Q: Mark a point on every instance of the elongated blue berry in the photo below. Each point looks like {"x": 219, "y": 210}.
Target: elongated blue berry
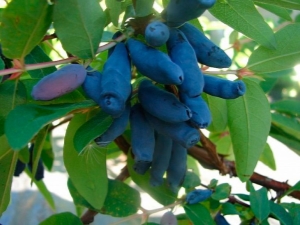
{"x": 156, "y": 33}
{"x": 201, "y": 116}
{"x": 198, "y": 195}
{"x": 178, "y": 12}
{"x": 168, "y": 219}
{"x": 223, "y": 88}
{"x": 142, "y": 139}
{"x": 162, "y": 104}
{"x": 161, "y": 158}
{"x": 154, "y": 64}
{"x": 92, "y": 84}
{"x": 39, "y": 175}
{"x": 117, "y": 128}
{"x": 59, "y": 82}
{"x": 20, "y": 167}
{"x": 182, "y": 53}
{"x": 180, "y": 132}
{"x": 177, "y": 167}
{"x": 206, "y": 51}
{"x": 115, "y": 81}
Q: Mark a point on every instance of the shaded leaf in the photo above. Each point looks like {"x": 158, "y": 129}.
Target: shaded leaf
{"x": 143, "y": 7}
{"x": 267, "y": 157}
{"x": 12, "y": 93}
{"x": 7, "y": 167}
{"x": 294, "y": 210}
{"x": 191, "y": 180}
{"x": 47, "y": 154}
{"x": 93, "y": 128}
{"x": 114, "y": 9}
{"x": 288, "y": 124}
{"x": 290, "y": 4}
{"x": 87, "y": 170}
{"x": 229, "y": 209}
{"x": 243, "y": 17}
{"x": 61, "y": 219}
{"x": 288, "y": 106}
{"x": 249, "y": 123}
{"x": 285, "y": 56}
{"x": 281, "y": 12}
{"x": 79, "y": 25}
{"x": 23, "y": 25}
{"x": 222, "y": 191}
{"x": 296, "y": 187}
{"x": 198, "y": 214}
{"x": 281, "y": 214}
{"x": 37, "y": 55}
{"x": 25, "y": 121}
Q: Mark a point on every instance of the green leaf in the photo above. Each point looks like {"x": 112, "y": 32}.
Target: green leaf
{"x": 93, "y": 128}
{"x": 161, "y": 194}
{"x": 294, "y": 210}
{"x": 47, "y": 154}
{"x": 281, "y": 12}
{"x": 121, "y": 200}
{"x": 289, "y": 140}
{"x": 25, "y": 121}
{"x": 43, "y": 189}
{"x": 191, "y": 180}
{"x": 286, "y": 55}
{"x": 259, "y": 202}
{"x": 2, "y": 65}
{"x": 249, "y": 122}
{"x": 7, "y": 167}
{"x": 288, "y": 124}
{"x": 87, "y": 170}
{"x": 143, "y": 7}
{"x": 218, "y": 110}
{"x": 243, "y": 17}
{"x": 12, "y": 93}
{"x": 296, "y": 187}
{"x": 288, "y": 106}
{"x": 61, "y": 219}
{"x": 192, "y": 164}
{"x": 223, "y": 142}
{"x": 198, "y": 214}
{"x": 268, "y": 83}
{"x": 23, "y": 25}
{"x": 222, "y": 191}
{"x": 79, "y": 25}
{"x": 281, "y": 214}
{"x": 229, "y": 209}
{"x": 114, "y": 9}
{"x": 38, "y": 147}
{"x": 4, "y": 146}
{"x": 37, "y": 55}
{"x": 290, "y": 4}
{"x": 267, "y": 157}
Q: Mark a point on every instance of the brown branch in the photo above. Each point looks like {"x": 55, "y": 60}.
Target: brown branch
{"x": 203, "y": 157}
{"x": 88, "y": 216}
{"x": 124, "y": 174}
{"x": 49, "y": 37}
{"x": 122, "y": 144}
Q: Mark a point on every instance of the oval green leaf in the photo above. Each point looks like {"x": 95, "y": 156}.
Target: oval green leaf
{"x": 23, "y": 25}
{"x": 222, "y": 191}
{"x": 87, "y": 170}
{"x": 198, "y": 214}
{"x": 267, "y": 157}
{"x": 79, "y": 25}
{"x": 281, "y": 214}
{"x": 249, "y": 122}
{"x": 289, "y": 4}
{"x": 288, "y": 124}
{"x": 279, "y": 11}
{"x": 285, "y": 56}
{"x": 288, "y": 106}
{"x": 243, "y": 17}
{"x": 62, "y": 218}
{"x": 93, "y": 128}
{"x": 26, "y": 120}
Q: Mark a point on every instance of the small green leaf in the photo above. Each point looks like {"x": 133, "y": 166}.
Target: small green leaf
{"x": 289, "y": 4}
{"x": 79, "y": 26}
{"x": 279, "y": 11}
{"x": 296, "y": 187}
{"x": 229, "y": 209}
{"x": 161, "y": 194}
{"x": 288, "y": 124}
{"x": 192, "y": 164}
{"x": 4, "y": 146}
{"x": 12, "y": 93}
{"x": 93, "y": 128}
{"x": 7, "y": 167}
{"x": 243, "y": 17}
{"x": 222, "y": 191}
{"x": 280, "y": 213}
{"x": 23, "y": 25}
{"x": 259, "y": 202}
{"x": 114, "y": 9}
{"x": 62, "y": 218}
{"x": 267, "y": 157}
{"x": 87, "y": 170}
{"x": 25, "y": 121}
{"x": 47, "y": 154}
{"x": 2, "y": 65}
{"x": 121, "y": 200}
{"x": 218, "y": 109}
{"x": 37, "y": 55}
{"x": 191, "y": 180}
{"x": 288, "y": 106}
{"x": 198, "y": 214}
{"x": 249, "y": 122}
{"x": 285, "y": 56}
{"x": 143, "y": 7}
{"x": 294, "y": 210}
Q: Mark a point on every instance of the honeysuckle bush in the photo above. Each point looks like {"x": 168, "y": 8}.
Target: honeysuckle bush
{"x": 264, "y": 53}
